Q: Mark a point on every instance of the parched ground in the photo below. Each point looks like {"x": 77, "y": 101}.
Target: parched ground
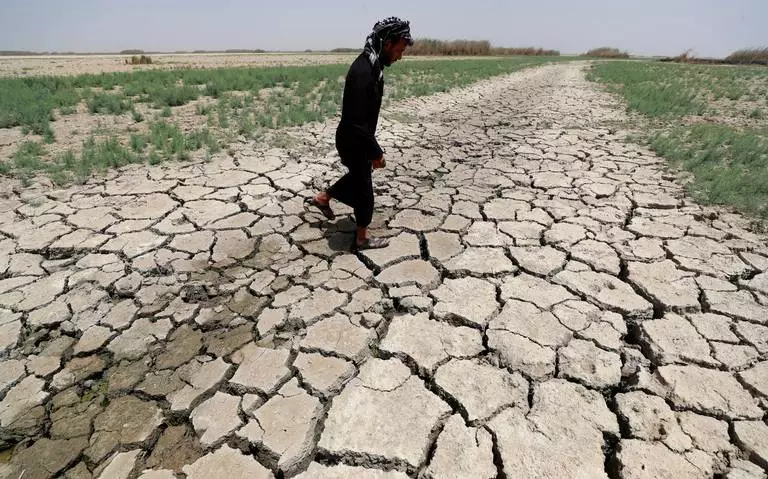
{"x": 14, "y": 66}
{"x": 551, "y": 305}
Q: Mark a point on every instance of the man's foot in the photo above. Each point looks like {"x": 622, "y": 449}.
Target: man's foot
{"x": 370, "y": 243}
{"x": 324, "y": 208}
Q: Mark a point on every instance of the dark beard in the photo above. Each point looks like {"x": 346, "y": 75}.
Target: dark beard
{"x": 384, "y": 59}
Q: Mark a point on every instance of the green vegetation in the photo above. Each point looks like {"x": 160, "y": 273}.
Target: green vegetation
{"x": 697, "y": 120}
{"x": 419, "y": 78}
{"x": 236, "y": 102}
{"x": 112, "y": 103}
{"x": 165, "y": 141}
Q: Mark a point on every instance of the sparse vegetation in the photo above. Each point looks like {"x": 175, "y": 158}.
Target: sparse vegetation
{"x": 606, "y": 52}
{"x": 235, "y": 102}
{"x": 111, "y": 103}
{"x": 696, "y": 119}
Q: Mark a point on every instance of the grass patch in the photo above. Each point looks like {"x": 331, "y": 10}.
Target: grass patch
{"x": 111, "y": 103}
{"x": 247, "y": 101}
{"x": 168, "y": 142}
{"x": 730, "y": 167}
{"x": 652, "y": 89}
{"x": 28, "y": 156}
{"x": 68, "y": 110}
{"x": 728, "y": 159}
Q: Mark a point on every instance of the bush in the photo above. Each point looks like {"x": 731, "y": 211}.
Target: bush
{"x": 111, "y": 103}
{"x": 139, "y": 60}
{"x": 606, "y": 52}
{"x": 757, "y": 56}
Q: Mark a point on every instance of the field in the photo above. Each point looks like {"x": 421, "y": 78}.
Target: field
{"x": 27, "y": 66}
{"x": 710, "y": 120}
{"x": 68, "y": 116}
{"x": 70, "y": 126}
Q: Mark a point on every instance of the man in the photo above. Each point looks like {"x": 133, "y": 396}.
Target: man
{"x": 356, "y": 134}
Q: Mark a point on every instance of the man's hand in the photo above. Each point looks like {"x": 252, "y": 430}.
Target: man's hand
{"x": 379, "y": 163}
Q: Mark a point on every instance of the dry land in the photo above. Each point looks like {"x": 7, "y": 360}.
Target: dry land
{"x": 553, "y": 303}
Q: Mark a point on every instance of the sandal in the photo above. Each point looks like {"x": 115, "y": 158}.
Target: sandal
{"x": 370, "y": 243}
{"x": 325, "y": 209}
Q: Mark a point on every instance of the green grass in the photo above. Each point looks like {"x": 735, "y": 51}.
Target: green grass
{"x": 31, "y": 101}
{"x": 730, "y": 167}
{"x": 241, "y": 106}
{"x": 111, "y": 103}
{"x": 164, "y": 142}
{"x": 729, "y": 163}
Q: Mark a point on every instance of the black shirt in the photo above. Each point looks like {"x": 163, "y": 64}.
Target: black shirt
{"x": 361, "y": 103}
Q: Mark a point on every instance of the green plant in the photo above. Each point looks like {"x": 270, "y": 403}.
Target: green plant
{"x": 202, "y": 109}
{"x": 730, "y": 167}
{"x": 166, "y": 112}
{"x": 28, "y": 156}
{"x": 68, "y": 110}
{"x": 138, "y": 143}
{"x": 729, "y": 164}
{"x": 112, "y": 103}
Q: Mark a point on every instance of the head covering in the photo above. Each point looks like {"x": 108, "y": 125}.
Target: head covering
{"x": 391, "y": 28}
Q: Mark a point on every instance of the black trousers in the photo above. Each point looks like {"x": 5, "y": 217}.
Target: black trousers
{"x": 355, "y": 189}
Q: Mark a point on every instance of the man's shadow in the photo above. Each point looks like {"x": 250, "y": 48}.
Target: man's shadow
{"x": 338, "y": 234}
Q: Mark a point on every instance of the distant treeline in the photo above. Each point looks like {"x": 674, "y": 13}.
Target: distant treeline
{"x": 13, "y": 53}
{"x": 606, "y": 52}
{"x": 746, "y": 56}
{"x": 429, "y": 46}
{"x": 421, "y": 47}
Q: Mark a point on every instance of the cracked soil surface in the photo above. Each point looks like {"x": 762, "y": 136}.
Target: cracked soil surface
{"x": 551, "y": 305}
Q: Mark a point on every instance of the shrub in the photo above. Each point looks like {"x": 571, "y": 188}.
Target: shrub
{"x": 757, "y": 56}
{"x": 139, "y": 60}
{"x": 606, "y": 52}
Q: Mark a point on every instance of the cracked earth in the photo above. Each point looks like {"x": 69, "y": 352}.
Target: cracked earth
{"x": 551, "y": 305}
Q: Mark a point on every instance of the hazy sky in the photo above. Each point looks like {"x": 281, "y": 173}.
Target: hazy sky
{"x": 661, "y": 27}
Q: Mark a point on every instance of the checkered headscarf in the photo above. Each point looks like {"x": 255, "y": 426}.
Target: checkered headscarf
{"x": 391, "y": 28}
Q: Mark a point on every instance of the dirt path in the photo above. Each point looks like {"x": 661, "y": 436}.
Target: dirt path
{"x": 551, "y": 306}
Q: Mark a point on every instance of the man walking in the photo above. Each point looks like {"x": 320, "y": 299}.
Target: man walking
{"x": 356, "y": 134}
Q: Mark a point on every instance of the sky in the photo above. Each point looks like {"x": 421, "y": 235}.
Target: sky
{"x": 711, "y": 28}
